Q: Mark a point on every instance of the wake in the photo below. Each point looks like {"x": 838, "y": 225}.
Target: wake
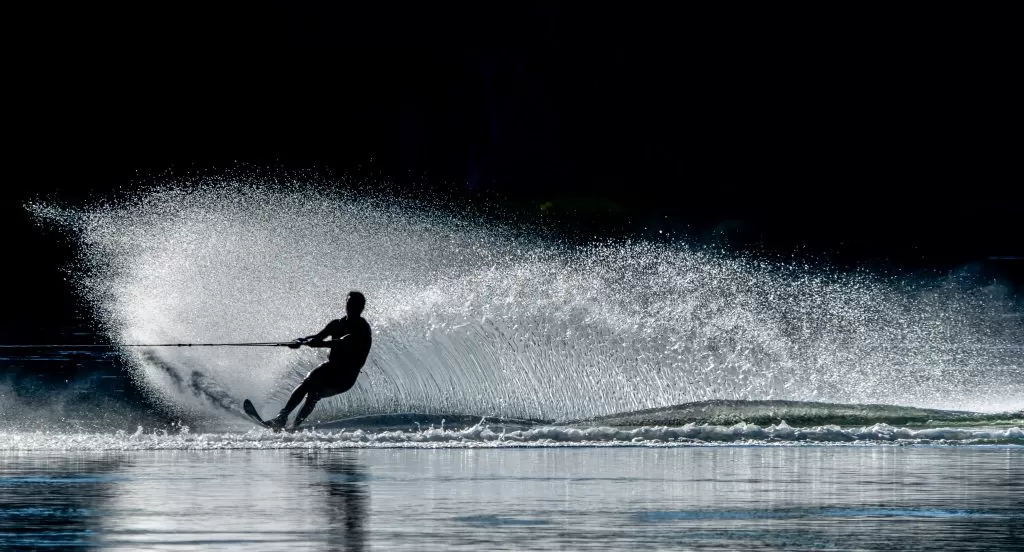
{"x": 480, "y": 317}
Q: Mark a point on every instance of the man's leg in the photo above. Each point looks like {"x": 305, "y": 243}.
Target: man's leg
{"x": 322, "y": 392}
{"x": 312, "y": 398}
{"x": 308, "y": 384}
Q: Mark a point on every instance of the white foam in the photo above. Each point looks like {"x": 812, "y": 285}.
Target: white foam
{"x": 482, "y": 435}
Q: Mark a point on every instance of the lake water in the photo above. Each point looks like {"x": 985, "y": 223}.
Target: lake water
{"x": 726, "y": 497}
{"x": 524, "y": 391}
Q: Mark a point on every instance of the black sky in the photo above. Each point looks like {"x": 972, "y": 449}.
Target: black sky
{"x": 866, "y": 135}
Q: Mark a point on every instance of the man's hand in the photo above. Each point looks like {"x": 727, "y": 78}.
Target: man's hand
{"x": 297, "y": 342}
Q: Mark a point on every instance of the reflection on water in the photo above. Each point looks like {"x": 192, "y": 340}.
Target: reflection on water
{"x": 346, "y": 500}
{"x": 605, "y": 498}
{"x": 49, "y": 502}
{"x": 223, "y": 500}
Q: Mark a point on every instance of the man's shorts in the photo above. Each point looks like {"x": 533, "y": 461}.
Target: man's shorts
{"x": 330, "y": 379}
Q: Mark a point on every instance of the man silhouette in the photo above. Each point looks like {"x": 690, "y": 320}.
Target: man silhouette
{"x": 350, "y": 344}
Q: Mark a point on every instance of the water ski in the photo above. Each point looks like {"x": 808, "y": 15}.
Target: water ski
{"x": 250, "y": 410}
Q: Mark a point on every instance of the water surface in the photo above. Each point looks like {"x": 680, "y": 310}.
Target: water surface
{"x": 588, "y": 498}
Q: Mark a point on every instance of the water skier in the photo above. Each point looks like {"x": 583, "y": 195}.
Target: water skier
{"x": 350, "y": 344}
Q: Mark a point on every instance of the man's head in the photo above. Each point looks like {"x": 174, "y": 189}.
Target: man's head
{"x": 355, "y": 303}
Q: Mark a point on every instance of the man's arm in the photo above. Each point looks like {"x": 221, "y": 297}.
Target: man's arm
{"x": 321, "y": 335}
{"x": 353, "y": 341}
{"x": 315, "y": 340}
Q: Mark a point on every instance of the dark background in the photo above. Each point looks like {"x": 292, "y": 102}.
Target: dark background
{"x": 869, "y": 138}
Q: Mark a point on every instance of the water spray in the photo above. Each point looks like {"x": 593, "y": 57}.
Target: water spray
{"x": 488, "y": 318}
